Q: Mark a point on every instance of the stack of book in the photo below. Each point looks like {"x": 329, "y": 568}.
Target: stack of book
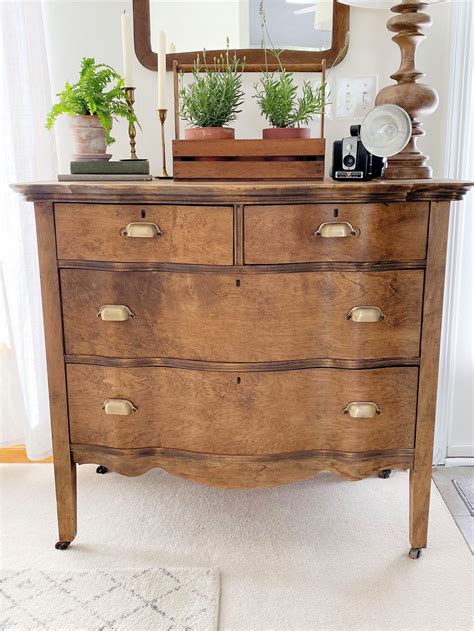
{"x": 101, "y": 170}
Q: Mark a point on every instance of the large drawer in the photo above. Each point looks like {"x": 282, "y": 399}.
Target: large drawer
{"x": 245, "y": 413}
{"x": 256, "y": 317}
{"x": 335, "y": 232}
{"x": 178, "y": 234}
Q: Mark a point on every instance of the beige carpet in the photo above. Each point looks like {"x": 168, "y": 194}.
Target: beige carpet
{"x": 323, "y": 554}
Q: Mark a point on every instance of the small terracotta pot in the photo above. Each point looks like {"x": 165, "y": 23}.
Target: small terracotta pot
{"x": 209, "y": 133}
{"x": 286, "y": 133}
{"x": 89, "y": 138}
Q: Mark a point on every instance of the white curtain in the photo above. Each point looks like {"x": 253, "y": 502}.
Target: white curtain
{"x": 27, "y": 153}
{"x": 456, "y": 375}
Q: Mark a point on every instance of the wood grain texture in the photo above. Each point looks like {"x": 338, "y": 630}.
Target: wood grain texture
{"x": 286, "y": 233}
{"x": 233, "y": 472}
{"x": 327, "y": 191}
{"x": 246, "y": 170}
{"x": 240, "y": 269}
{"x": 190, "y": 364}
{"x": 420, "y": 475}
{"x": 247, "y": 414}
{"x": 191, "y": 234}
{"x": 262, "y": 148}
{"x": 64, "y": 467}
{"x": 258, "y": 318}
{"x": 293, "y": 60}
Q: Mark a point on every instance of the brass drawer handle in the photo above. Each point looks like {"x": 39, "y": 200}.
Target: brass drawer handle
{"x": 115, "y": 313}
{"x": 362, "y": 409}
{"x": 336, "y": 229}
{"x": 118, "y": 407}
{"x": 141, "y": 229}
{"x": 365, "y": 314}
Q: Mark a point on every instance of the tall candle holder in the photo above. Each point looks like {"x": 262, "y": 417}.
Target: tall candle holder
{"x": 162, "y": 115}
{"x": 132, "y": 132}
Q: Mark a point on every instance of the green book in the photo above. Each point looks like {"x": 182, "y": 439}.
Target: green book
{"x": 102, "y": 167}
{"x": 106, "y": 177}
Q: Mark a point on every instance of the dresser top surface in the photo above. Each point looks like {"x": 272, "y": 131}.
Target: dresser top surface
{"x": 249, "y": 192}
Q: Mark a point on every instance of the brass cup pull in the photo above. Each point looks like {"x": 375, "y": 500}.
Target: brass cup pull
{"x": 365, "y": 314}
{"x": 118, "y": 407}
{"x": 115, "y": 313}
{"x": 142, "y": 229}
{"x": 336, "y": 229}
{"x": 362, "y": 409}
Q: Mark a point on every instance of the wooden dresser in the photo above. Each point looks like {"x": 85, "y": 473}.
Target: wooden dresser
{"x": 243, "y": 335}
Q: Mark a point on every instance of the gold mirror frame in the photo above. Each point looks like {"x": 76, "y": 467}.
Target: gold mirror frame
{"x": 293, "y": 60}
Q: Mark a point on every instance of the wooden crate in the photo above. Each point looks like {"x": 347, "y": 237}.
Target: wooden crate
{"x": 249, "y": 159}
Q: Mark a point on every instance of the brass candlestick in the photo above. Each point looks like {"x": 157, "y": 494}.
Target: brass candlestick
{"x": 162, "y": 114}
{"x": 132, "y": 132}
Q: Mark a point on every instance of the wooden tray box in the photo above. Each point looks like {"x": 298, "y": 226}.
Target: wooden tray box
{"x": 249, "y": 159}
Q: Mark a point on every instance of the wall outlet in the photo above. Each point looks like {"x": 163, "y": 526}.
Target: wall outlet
{"x": 355, "y": 96}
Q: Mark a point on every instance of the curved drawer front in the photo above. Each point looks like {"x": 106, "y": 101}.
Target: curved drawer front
{"x": 254, "y": 318}
{"x": 246, "y": 413}
{"x": 342, "y": 232}
{"x": 145, "y": 233}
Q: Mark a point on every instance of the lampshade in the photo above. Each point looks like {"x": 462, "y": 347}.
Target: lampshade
{"x": 380, "y": 4}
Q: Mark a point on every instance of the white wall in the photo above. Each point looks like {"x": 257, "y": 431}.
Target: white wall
{"x": 75, "y": 29}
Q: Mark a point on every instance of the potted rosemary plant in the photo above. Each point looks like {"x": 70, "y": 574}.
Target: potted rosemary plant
{"x": 213, "y": 98}
{"x": 93, "y": 103}
{"x": 287, "y": 111}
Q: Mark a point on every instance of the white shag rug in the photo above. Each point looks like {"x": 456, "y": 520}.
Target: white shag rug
{"x": 109, "y": 600}
{"x": 325, "y": 554}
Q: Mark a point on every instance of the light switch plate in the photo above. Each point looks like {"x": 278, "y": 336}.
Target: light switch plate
{"x": 355, "y": 96}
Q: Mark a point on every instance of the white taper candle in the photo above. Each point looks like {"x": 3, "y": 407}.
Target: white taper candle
{"x": 162, "y": 71}
{"x": 127, "y": 49}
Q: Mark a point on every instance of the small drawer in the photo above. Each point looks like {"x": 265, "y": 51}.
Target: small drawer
{"x": 145, "y": 233}
{"x": 252, "y": 317}
{"x": 243, "y": 413}
{"x": 335, "y": 232}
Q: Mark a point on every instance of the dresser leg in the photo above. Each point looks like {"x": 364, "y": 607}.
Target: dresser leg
{"x": 420, "y": 487}
{"x": 66, "y": 502}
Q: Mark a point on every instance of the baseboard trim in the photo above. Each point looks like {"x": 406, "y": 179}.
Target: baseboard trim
{"x": 459, "y": 462}
{"x": 17, "y": 455}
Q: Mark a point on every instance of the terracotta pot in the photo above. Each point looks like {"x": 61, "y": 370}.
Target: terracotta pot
{"x": 286, "y": 133}
{"x": 209, "y": 133}
{"x": 89, "y": 138}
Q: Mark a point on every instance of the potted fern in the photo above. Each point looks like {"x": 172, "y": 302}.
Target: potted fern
{"x": 93, "y": 103}
{"x": 213, "y": 98}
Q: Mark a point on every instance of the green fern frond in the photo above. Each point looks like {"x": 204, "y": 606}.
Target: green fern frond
{"x": 98, "y": 92}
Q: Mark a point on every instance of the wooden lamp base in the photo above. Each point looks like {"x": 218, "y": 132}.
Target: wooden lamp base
{"x": 416, "y": 98}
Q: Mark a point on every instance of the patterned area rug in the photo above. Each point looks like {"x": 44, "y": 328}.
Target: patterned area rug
{"x": 465, "y": 488}
{"x": 158, "y": 599}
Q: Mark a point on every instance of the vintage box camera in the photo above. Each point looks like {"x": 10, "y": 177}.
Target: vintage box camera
{"x": 352, "y": 161}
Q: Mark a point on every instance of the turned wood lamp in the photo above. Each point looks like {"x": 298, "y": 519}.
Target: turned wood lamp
{"x": 416, "y": 98}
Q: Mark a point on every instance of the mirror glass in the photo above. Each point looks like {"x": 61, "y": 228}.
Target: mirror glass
{"x": 192, "y": 25}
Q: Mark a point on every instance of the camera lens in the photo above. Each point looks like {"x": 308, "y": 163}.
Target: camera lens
{"x": 349, "y": 161}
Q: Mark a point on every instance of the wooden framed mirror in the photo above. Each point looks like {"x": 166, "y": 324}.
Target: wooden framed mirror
{"x": 240, "y": 21}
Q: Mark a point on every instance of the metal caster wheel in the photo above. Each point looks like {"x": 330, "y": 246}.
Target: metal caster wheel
{"x": 62, "y": 545}
{"x": 101, "y": 469}
{"x": 415, "y": 553}
{"x": 385, "y": 474}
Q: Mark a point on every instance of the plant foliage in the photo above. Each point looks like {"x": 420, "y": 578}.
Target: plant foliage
{"x": 89, "y": 96}
{"x": 215, "y": 94}
{"x": 277, "y": 97}
{"x": 277, "y": 92}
